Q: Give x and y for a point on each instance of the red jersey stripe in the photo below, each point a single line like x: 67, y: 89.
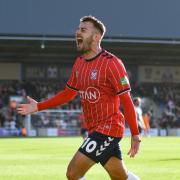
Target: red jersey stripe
x: 99, y: 81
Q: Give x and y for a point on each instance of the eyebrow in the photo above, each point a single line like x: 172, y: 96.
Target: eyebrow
x: 82, y: 28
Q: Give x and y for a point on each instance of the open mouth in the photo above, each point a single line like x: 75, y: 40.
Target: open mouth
x: 79, y: 40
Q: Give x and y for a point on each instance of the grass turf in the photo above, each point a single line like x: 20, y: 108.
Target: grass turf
x: 47, y: 158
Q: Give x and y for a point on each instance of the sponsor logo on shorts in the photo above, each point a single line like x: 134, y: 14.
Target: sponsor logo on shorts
x: 104, y: 146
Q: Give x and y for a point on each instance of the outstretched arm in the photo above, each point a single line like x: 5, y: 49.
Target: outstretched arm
x: 33, y: 106
x: 131, y: 118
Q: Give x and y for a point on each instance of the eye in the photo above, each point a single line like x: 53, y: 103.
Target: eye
x: 83, y: 29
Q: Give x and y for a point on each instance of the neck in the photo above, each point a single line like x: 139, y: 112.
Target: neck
x: 92, y: 53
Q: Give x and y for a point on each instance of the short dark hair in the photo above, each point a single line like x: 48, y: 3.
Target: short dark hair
x: 96, y: 22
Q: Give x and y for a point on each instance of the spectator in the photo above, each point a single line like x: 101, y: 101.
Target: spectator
x: 137, y: 104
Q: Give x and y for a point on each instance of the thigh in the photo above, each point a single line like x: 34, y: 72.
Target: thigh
x: 116, y: 169
x: 79, y: 165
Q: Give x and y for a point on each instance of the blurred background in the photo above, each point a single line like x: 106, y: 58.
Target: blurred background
x: 37, y: 51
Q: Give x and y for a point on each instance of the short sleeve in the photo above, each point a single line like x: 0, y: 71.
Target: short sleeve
x: 118, y: 76
x: 73, y: 82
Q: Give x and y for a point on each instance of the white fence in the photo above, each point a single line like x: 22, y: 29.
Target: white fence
x: 65, y: 123
x: 53, y: 123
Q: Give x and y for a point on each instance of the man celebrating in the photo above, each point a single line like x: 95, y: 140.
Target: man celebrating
x: 101, y: 80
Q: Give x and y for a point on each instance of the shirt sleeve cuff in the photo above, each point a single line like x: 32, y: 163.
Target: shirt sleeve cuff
x: 123, y: 91
x: 71, y: 87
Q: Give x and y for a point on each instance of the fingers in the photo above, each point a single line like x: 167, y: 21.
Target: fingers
x: 25, y: 109
x: 135, y: 143
x: 30, y: 100
x: 134, y: 149
x: 20, y: 106
x: 132, y: 152
x: 22, y: 109
x: 22, y: 112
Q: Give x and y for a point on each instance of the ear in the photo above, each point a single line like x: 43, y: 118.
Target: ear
x: 97, y: 36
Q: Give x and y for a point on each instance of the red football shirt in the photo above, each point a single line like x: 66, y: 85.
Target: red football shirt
x: 99, y: 81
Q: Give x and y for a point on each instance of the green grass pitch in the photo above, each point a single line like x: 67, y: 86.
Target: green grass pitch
x: 47, y: 158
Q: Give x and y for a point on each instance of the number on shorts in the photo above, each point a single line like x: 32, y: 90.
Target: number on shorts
x: 90, y: 145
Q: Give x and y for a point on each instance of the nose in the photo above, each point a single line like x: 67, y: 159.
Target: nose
x: 77, y: 32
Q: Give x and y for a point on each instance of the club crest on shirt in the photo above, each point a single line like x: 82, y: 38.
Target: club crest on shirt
x: 93, y: 74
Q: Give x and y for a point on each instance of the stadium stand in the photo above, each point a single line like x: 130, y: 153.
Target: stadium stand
x: 160, y: 95
x: 40, y: 73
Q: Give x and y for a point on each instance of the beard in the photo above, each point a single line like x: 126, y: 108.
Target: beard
x: 85, y: 45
